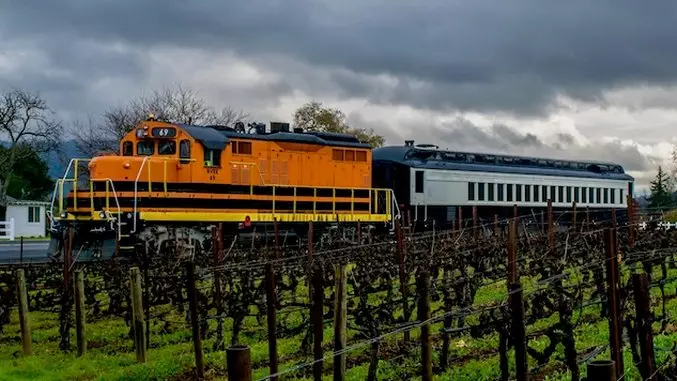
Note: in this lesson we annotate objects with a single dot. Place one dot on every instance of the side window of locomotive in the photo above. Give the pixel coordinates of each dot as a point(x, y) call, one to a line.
point(127, 149)
point(144, 148)
point(212, 158)
point(419, 181)
point(184, 149)
point(166, 147)
point(337, 154)
point(242, 148)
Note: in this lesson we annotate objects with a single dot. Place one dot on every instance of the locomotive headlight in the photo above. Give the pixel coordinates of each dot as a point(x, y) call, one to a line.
point(102, 214)
point(64, 214)
point(139, 132)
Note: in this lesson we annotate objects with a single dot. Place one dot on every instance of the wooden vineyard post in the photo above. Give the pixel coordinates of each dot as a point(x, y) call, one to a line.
point(403, 276)
point(496, 226)
point(271, 301)
point(217, 247)
point(137, 314)
point(359, 232)
point(424, 315)
point(146, 299)
point(460, 220)
point(340, 321)
point(647, 366)
point(194, 319)
point(512, 252)
point(515, 216)
point(239, 363)
point(614, 222)
point(551, 227)
point(615, 329)
point(474, 221)
point(316, 288)
point(23, 313)
point(573, 218)
point(631, 221)
point(318, 312)
point(277, 239)
point(67, 295)
point(516, 305)
point(587, 217)
point(80, 313)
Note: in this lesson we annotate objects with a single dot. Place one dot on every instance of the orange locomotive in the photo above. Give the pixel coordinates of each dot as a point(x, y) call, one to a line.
point(173, 181)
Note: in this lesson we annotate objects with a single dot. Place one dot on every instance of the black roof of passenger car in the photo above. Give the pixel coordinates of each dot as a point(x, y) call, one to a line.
point(413, 156)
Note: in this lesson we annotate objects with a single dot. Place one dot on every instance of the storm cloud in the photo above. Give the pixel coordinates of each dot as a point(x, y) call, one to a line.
point(581, 74)
point(463, 135)
point(484, 55)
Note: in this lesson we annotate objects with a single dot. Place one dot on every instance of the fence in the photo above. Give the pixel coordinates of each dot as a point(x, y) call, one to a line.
point(533, 290)
point(7, 230)
point(659, 225)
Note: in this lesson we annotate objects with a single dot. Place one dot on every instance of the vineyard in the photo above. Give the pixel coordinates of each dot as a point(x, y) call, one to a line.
point(496, 301)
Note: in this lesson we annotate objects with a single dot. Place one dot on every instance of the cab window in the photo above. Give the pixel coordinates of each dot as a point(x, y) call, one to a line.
point(212, 158)
point(184, 149)
point(145, 148)
point(242, 148)
point(127, 149)
point(166, 147)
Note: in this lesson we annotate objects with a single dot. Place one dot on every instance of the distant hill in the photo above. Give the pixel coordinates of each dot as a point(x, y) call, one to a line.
point(58, 160)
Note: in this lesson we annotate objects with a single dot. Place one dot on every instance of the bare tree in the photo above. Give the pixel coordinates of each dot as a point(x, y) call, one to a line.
point(225, 117)
point(26, 121)
point(180, 105)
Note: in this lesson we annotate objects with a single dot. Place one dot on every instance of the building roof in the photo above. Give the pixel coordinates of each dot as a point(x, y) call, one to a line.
point(418, 157)
point(14, 201)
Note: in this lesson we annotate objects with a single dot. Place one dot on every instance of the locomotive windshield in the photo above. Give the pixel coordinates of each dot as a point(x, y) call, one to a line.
point(167, 147)
point(145, 148)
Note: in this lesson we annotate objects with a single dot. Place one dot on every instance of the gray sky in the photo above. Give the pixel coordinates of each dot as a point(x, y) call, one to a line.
point(587, 79)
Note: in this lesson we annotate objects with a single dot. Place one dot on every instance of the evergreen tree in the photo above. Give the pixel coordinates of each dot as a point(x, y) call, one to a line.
point(661, 196)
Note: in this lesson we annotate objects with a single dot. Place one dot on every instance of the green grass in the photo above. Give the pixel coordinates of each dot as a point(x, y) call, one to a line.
point(111, 354)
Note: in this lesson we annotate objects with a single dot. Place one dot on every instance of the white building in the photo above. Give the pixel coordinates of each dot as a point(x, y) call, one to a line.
point(29, 217)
